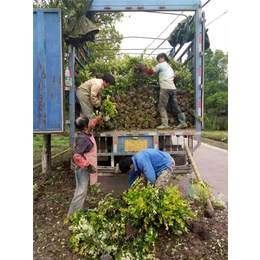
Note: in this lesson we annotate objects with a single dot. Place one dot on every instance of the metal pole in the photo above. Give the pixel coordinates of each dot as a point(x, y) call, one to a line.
point(197, 71)
point(72, 94)
point(202, 70)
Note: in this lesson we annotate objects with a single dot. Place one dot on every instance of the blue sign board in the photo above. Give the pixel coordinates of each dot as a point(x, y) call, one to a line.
point(48, 92)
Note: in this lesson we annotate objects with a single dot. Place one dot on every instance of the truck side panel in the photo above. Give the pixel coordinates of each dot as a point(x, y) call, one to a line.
point(48, 96)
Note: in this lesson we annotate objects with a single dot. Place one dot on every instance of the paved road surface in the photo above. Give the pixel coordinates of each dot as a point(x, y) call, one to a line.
point(211, 162)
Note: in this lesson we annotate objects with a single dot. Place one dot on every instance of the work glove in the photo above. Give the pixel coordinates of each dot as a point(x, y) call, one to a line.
point(92, 169)
point(92, 123)
point(175, 80)
point(81, 161)
point(150, 72)
point(101, 108)
point(106, 118)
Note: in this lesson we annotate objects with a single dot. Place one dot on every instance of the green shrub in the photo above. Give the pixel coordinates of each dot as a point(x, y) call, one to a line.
point(203, 191)
point(174, 211)
point(103, 230)
point(123, 71)
point(110, 107)
point(213, 122)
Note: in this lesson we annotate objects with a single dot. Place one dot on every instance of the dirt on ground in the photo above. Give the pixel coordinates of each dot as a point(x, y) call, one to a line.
point(53, 192)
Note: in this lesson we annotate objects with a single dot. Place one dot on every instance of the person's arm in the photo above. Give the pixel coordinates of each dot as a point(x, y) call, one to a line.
point(95, 95)
point(81, 161)
point(132, 177)
point(94, 121)
point(155, 69)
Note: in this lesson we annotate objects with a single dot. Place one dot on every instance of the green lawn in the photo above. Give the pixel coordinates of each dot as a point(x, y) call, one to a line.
point(221, 136)
point(58, 140)
point(59, 143)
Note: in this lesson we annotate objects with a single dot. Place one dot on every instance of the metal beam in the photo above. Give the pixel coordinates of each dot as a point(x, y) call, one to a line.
point(71, 50)
point(143, 5)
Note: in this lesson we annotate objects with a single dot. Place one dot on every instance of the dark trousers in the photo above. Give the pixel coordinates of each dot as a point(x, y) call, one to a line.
point(168, 96)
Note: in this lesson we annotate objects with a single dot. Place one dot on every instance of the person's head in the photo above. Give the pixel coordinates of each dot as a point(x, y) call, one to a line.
point(81, 123)
point(162, 57)
point(126, 164)
point(108, 80)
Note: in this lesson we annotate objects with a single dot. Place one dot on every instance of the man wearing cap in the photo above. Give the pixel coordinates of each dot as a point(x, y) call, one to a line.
point(156, 166)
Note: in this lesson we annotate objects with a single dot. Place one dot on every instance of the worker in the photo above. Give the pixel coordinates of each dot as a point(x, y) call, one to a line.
point(89, 94)
point(167, 83)
point(156, 166)
point(85, 158)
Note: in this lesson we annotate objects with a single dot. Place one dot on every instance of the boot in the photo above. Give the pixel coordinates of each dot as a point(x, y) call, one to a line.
point(164, 122)
point(182, 120)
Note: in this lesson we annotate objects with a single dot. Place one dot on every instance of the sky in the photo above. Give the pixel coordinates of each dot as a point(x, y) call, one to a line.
point(147, 24)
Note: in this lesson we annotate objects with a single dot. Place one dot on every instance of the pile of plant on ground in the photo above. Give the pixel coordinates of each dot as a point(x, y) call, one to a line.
point(127, 227)
point(52, 196)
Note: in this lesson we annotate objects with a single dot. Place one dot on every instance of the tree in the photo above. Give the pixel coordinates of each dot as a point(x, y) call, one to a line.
point(216, 89)
point(216, 72)
point(107, 42)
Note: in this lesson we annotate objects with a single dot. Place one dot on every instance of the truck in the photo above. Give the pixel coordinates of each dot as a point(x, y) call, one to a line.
point(112, 145)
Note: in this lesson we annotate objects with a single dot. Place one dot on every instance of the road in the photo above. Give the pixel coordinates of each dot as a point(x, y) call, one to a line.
point(211, 162)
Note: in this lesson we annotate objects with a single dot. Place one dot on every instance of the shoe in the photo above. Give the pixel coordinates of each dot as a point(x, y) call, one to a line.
point(182, 120)
point(164, 120)
point(181, 126)
point(162, 126)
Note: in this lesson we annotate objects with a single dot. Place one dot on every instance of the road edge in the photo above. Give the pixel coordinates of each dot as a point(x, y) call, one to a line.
point(215, 143)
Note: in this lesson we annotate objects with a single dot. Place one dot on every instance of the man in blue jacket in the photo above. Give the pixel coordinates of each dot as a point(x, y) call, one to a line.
point(155, 165)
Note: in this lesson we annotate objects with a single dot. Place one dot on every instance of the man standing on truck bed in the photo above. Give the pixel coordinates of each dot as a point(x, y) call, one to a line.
point(89, 94)
point(167, 92)
point(155, 165)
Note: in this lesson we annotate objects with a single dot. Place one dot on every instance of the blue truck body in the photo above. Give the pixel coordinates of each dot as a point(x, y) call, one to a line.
point(48, 91)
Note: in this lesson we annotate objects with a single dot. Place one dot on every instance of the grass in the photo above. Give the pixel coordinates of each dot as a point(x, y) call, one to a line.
point(59, 143)
point(221, 136)
point(57, 140)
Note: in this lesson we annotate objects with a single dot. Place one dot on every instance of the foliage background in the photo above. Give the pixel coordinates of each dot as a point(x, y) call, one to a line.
point(216, 90)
